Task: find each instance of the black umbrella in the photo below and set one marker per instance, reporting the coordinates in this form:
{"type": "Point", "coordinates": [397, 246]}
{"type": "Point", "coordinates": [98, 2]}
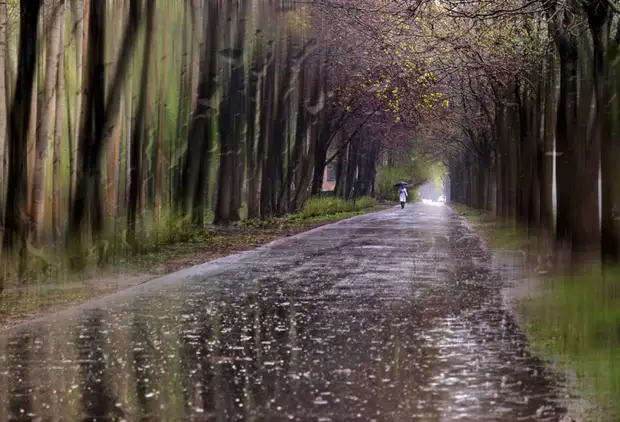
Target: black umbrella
{"type": "Point", "coordinates": [399, 184]}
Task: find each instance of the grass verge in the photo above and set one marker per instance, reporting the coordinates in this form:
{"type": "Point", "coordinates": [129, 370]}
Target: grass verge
{"type": "Point", "coordinates": [57, 288]}
{"type": "Point", "coordinates": [571, 320]}
{"type": "Point", "coordinates": [575, 321]}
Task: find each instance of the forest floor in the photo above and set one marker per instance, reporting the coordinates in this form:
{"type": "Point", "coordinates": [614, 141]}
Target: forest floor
{"type": "Point", "coordinates": [23, 303]}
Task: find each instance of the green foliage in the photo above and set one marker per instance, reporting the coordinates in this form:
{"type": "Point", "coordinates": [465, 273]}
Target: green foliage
{"type": "Point", "coordinates": [327, 206]}
{"type": "Point", "coordinates": [575, 320]}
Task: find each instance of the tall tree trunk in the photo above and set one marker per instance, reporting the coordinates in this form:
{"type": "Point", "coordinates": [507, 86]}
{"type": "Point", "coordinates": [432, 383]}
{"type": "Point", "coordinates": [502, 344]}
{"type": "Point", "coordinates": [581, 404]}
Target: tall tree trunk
{"type": "Point", "coordinates": [159, 157]}
{"type": "Point", "coordinates": [4, 99]}
{"type": "Point", "coordinates": [240, 121]}
{"type": "Point", "coordinates": [301, 129]}
{"type": "Point", "coordinates": [253, 99]}
{"type": "Point", "coordinates": [113, 148]}
{"type": "Point", "coordinates": [233, 109]}
{"type": "Point", "coordinates": [32, 136]}
{"type": "Point", "coordinates": [231, 130]}
{"type": "Point", "coordinates": [80, 18]}
{"type": "Point", "coordinates": [586, 141]}
{"type": "Point", "coordinates": [15, 226]}
{"type": "Point", "coordinates": [266, 114]}
{"type": "Point", "coordinates": [37, 207]}
{"type": "Point", "coordinates": [197, 163]}
{"type": "Point", "coordinates": [60, 80]}
{"type": "Point", "coordinates": [128, 125]}
{"type": "Point", "coordinates": [92, 136]}
{"type": "Point", "coordinates": [138, 132]}
{"type": "Point", "coordinates": [547, 151]}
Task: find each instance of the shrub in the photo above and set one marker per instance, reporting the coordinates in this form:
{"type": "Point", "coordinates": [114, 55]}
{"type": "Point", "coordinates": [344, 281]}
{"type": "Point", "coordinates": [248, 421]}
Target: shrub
{"type": "Point", "coordinates": [365, 202]}
{"type": "Point", "coordinates": [315, 207]}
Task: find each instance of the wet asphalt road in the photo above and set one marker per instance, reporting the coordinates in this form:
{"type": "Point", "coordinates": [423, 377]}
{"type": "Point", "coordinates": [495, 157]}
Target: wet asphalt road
{"type": "Point", "coordinates": [393, 316]}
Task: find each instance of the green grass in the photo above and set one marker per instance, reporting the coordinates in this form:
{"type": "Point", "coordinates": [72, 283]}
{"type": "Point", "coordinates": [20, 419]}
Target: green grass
{"type": "Point", "coordinates": [498, 235]}
{"type": "Point", "coordinates": [575, 320]}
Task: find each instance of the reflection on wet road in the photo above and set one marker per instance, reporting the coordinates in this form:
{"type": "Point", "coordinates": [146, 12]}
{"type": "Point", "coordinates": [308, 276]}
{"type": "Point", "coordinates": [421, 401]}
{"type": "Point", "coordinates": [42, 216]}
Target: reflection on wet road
{"type": "Point", "coordinates": [393, 316]}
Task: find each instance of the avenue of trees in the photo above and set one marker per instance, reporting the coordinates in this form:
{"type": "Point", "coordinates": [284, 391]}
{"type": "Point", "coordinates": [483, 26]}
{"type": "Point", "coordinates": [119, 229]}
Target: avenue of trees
{"type": "Point", "coordinates": [125, 116]}
{"type": "Point", "coordinates": [533, 95]}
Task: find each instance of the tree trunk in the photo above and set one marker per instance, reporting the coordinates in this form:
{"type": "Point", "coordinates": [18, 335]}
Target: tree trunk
{"type": "Point", "coordinates": [92, 136]}
{"type": "Point", "coordinates": [139, 132]}
{"type": "Point", "coordinates": [37, 207]}
{"type": "Point", "coordinates": [56, 164]}
{"type": "Point", "coordinates": [4, 99]}
{"type": "Point", "coordinates": [80, 18]}
{"type": "Point", "coordinates": [547, 151]}
{"type": "Point", "coordinates": [586, 236]}
{"type": "Point", "coordinates": [197, 162]}
{"type": "Point", "coordinates": [299, 141]}
{"type": "Point", "coordinates": [253, 99]}
{"type": "Point", "coordinates": [15, 226]}
{"type": "Point", "coordinates": [262, 149]}
{"type": "Point", "coordinates": [236, 93]}
{"type": "Point", "coordinates": [113, 149]}
{"type": "Point", "coordinates": [159, 157]}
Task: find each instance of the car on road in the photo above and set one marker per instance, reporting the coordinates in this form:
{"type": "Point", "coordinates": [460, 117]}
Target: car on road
{"type": "Point", "coordinates": [442, 198]}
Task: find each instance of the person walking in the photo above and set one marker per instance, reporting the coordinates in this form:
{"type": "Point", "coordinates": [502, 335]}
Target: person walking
{"type": "Point", "coordinates": [403, 196]}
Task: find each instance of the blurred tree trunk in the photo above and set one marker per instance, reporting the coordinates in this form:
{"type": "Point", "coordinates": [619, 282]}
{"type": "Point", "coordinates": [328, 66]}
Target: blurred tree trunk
{"type": "Point", "coordinates": [32, 134]}
{"type": "Point", "coordinates": [96, 119]}
{"type": "Point", "coordinates": [113, 148]}
{"type": "Point", "coordinates": [176, 166]}
{"type": "Point", "coordinates": [128, 125]}
{"type": "Point", "coordinates": [197, 162]}
{"type": "Point", "coordinates": [281, 132]}
{"type": "Point", "coordinates": [57, 159]}
{"type": "Point", "coordinates": [610, 157]}
{"type": "Point", "coordinates": [139, 131]}
{"type": "Point", "coordinates": [16, 224]}
{"type": "Point", "coordinates": [253, 111]}
{"type": "Point", "coordinates": [272, 173]}
{"type": "Point", "coordinates": [239, 116]}
{"type": "Point", "coordinates": [585, 143]}
{"type": "Point", "coordinates": [52, 49]}
{"type": "Point", "coordinates": [159, 156]}
{"type": "Point", "coordinates": [267, 94]}
{"type": "Point", "coordinates": [4, 99]}
{"type": "Point", "coordinates": [230, 127]}
{"type": "Point", "coordinates": [80, 25]}
{"type": "Point", "coordinates": [547, 156]}
{"type": "Point", "coordinates": [311, 131]}
{"type": "Point", "coordinates": [301, 129]}
{"type": "Point", "coordinates": [147, 144]}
